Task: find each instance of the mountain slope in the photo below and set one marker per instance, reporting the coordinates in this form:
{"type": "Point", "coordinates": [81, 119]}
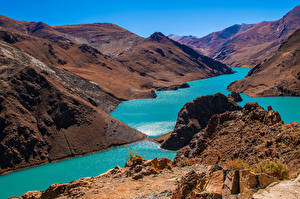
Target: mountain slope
{"type": "Point", "coordinates": [167, 61]}
{"type": "Point", "coordinates": [109, 39]}
{"type": "Point", "coordinates": [246, 45]}
{"type": "Point", "coordinates": [211, 43]}
{"type": "Point", "coordinates": [126, 56]}
{"type": "Point", "coordinates": [278, 76]}
{"type": "Point", "coordinates": [47, 114]}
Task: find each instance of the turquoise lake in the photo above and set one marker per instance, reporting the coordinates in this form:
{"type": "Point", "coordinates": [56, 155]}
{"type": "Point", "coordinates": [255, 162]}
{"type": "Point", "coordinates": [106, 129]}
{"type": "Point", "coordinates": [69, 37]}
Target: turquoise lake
{"type": "Point", "coordinates": [157, 116]}
{"type": "Point", "coordinates": [154, 117]}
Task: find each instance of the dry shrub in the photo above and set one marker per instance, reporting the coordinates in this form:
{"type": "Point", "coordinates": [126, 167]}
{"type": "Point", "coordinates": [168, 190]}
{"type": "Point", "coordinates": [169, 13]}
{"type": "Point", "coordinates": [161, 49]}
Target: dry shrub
{"type": "Point", "coordinates": [236, 164]}
{"type": "Point", "coordinates": [272, 168]}
{"type": "Point", "coordinates": [134, 157]}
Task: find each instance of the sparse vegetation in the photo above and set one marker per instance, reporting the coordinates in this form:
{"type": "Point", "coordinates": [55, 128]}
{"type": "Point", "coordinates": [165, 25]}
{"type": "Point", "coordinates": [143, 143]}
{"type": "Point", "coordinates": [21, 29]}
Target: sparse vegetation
{"type": "Point", "coordinates": [133, 157]}
{"type": "Point", "coordinates": [187, 162]}
{"type": "Point", "coordinates": [273, 168]}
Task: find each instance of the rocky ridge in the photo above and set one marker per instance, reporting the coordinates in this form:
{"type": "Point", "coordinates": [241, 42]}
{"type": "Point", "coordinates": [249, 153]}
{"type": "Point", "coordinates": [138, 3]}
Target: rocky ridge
{"type": "Point", "coordinates": [194, 116]}
{"type": "Point", "coordinates": [251, 134]}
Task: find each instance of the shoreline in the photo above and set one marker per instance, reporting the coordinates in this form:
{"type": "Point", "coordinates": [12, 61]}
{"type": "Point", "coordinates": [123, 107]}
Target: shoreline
{"type": "Point", "coordinates": [71, 157]}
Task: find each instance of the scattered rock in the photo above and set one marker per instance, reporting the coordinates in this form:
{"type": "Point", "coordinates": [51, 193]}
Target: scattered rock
{"type": "Point", "coordinates": [221, 183]}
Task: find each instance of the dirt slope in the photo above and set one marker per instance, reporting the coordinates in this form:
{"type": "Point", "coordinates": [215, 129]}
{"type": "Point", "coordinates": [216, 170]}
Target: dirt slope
{"type": "Point", "coordinates": [278, 76]}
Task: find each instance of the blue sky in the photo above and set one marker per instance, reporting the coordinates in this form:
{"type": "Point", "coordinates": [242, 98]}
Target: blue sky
{"type": "Point", "coordinates": [189, 17]}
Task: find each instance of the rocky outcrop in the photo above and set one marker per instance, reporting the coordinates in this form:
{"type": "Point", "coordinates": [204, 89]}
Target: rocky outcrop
{"type": "Point", "coordinates": [218, 183]}
{"type": "Point", "coordinates": [164, 181]}
{"type": "Point", "coordinates": [278, 76]}
{"type": "Point", "coordinates": [246, 45]}
{"type": "Point", "coordinates": [250, 134]}
{"type": "Point", "coordinates": [194, 116]}
{"type": "Point", "coordinates": [47, 114]}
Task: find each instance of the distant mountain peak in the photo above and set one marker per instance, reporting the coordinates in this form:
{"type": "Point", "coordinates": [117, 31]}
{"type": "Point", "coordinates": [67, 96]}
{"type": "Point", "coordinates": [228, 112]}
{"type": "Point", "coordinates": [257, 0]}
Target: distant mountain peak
{"type": "Point", "coordinates": [35, 26]}
{"type": "Point", "coordinates": [157, 36]}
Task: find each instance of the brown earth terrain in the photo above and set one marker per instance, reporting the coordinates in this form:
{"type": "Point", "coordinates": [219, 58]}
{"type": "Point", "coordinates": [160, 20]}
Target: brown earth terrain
{"type": "Point", "coordinates": [278, 76]}
{"type": "Point", "coordinates": [48, 114]}
{"type": "Point", "coordinates": [120, 62]}
{"type": "Point", "coordinates": [245, 45]}
{"type": "Point", "coordinates": [109, 39]}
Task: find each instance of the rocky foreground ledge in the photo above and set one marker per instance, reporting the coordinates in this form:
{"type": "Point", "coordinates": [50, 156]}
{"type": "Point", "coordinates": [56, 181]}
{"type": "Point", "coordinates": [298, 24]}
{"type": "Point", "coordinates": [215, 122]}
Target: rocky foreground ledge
{"type": "Point", "coordinates": [158, 178]}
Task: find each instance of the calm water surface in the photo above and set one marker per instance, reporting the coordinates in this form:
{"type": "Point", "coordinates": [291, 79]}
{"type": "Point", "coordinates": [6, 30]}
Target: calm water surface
{"type": "Point", "coordinates": [154, 117]}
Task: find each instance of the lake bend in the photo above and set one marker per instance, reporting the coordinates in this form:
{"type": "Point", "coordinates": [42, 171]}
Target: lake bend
{"type": "Point", "coordinates": [153, 117]}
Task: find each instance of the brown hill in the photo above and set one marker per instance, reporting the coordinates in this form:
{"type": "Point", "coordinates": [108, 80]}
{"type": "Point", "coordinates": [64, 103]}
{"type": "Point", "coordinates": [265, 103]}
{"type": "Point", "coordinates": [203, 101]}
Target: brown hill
{"type": "Point", "coordinates": [109, 39]}
{"type": "Point", "coordinates": [148, 64]}
{"type": "Point", "coordinates": [246, 45]}
{"type": "Point", "coordinates": [165, 60]}
{"type": "Point", "coordinates": [194, 116]}
{"type": "Point", "coordinates": [47, 114]}
{"type": "Point", "coordinates": [278, 76]}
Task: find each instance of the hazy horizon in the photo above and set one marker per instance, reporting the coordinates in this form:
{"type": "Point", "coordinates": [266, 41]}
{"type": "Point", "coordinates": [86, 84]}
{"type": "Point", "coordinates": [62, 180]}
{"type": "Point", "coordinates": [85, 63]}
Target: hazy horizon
{"type": "Point", "coordinates": [197, 18]}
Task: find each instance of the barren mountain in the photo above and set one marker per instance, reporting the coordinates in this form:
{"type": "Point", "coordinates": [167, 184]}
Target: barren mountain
{"type": "Point", "coordinates": [278, 76]}
{"type": "Point", "coordinates": [109, 39]}
{"type": "Point", "coordinates": [211, 43]}
{"type": "Point", "coordinates": [47, 114]}
{"type": "Point", "coordinates": [138, 65]}
{"type": "Point", "coordinates": [246, 45]}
